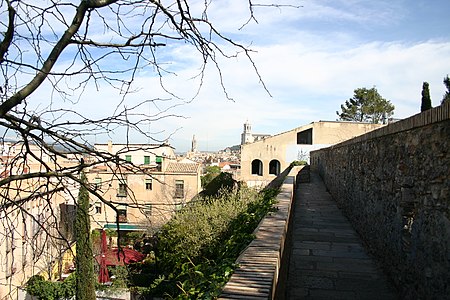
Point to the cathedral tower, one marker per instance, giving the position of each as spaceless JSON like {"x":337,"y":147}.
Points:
{"x":194,"y":144}
{"x":246,"y":136}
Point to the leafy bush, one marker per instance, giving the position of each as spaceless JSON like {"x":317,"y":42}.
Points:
{"x":210,"y":173}
{"x":299,"y":163}
{"x":201,"y":243}
{"x":221,"y":182}
{"x":121,"y":275}
{"x":49,"y":290}
{"x":199,"y":225}
{"x":196,"y":250}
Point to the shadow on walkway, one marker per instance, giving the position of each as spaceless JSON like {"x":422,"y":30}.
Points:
{"x":327,"y":259}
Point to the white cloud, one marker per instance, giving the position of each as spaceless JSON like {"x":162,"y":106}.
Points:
{"x":394,"y":67}
{"x":307,"y":84}
{"x":309,"y":69}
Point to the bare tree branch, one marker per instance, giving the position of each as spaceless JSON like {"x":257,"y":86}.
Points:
{"x":19,"y":96}
{"x":69,"y":48}
{"x":6,"y":42}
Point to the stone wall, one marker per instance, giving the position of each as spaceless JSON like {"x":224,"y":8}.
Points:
{"x":393,"y":184}
{"x":262,"y":266}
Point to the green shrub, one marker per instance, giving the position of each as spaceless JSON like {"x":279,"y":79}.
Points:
{"x":201,"y":243}
{"x":200,"y":225}
{"x":218,"y":184}
{"x":49,"y":290}
{"x":41,"y":288}
{"x":210,"y":173}
{"x":299,"y":163}
{"x":120,"y":274}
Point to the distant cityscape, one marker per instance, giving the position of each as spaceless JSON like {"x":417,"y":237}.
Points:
{"x":134,"y":188}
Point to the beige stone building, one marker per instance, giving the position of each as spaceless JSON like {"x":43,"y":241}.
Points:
{"x":29,"y":239}
{"x":262,"y":160}
{"x":144,"y":195}
{"x":16,"y":158}
{"x":30,"y":214}
{"x":145,"y":190}
{"x":141,"y":201}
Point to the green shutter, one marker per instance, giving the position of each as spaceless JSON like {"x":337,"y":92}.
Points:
{"x":146,"y":160}
{"x":159,"y":159}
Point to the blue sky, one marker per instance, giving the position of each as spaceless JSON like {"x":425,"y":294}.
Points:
{"x":310,"y":58}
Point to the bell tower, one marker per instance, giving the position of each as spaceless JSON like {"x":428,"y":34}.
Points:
{"x":194,"y":144}
{"x":246,"y":136}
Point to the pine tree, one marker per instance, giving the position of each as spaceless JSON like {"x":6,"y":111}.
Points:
{"x":426,"y":99}
{"x":85,"y":285}
{"x":367,"y":105}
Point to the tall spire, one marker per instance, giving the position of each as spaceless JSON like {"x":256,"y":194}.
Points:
{"x":194,"y":144}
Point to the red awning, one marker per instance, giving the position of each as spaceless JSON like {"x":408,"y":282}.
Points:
{"x":126,"y":256}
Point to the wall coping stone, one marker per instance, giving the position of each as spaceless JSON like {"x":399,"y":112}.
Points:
{"x":258,"y":273}
{"x":430,"y":116}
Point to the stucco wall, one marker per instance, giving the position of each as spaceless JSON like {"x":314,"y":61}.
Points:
{"x":394,"y":186}
{"x":160,"y":197}
{"x":284,"y":148}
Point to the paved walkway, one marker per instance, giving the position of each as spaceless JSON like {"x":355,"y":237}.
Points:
{"x":328,"y":260}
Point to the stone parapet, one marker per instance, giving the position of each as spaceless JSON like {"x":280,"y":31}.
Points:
{"x":262,"y":269}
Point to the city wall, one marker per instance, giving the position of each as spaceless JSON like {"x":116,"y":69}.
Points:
{"x":263,"y":266}
{"x":393,"y":184}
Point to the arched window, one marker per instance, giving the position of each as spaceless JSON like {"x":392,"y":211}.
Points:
{"x":274,"y":167}
{"x":257,"y":167}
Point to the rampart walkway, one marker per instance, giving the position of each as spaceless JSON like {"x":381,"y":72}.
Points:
{"x":327,"y":260}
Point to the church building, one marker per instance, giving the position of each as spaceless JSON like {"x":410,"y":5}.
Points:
{"x":248,"y":137}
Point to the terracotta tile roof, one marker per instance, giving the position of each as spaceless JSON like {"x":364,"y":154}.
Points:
{"x":174,"y":167}
{"x":226,"y":163}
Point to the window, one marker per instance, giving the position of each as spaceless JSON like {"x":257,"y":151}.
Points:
{"x":257,"y":167}
{"x":98,"y":208}
{"x":146,"y":160}
{"x":159,"y":160}
{"x":97,"y":182}
{"x":179,"y":189}
{"x":274,"y":167}
{"x":122,"y":213}
{"x":67,"y":220}
{"x":128,"y":158}
{"x":178,"y":206}
{"x":7,"y":258}
{"x":9,"y":242}
{"x":122,"y":192}
{"x":148,"y":184}
{"x":304,"y":137}
{"x":24,"y":250}
{"x":147,"y":209}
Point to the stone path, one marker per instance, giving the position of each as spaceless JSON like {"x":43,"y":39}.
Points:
{"x":328,"y":260}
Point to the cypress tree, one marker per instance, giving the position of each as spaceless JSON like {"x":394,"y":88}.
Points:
{"x":426,"y":99}
{"x":85,"y":285}
{"x":447,"y":92}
